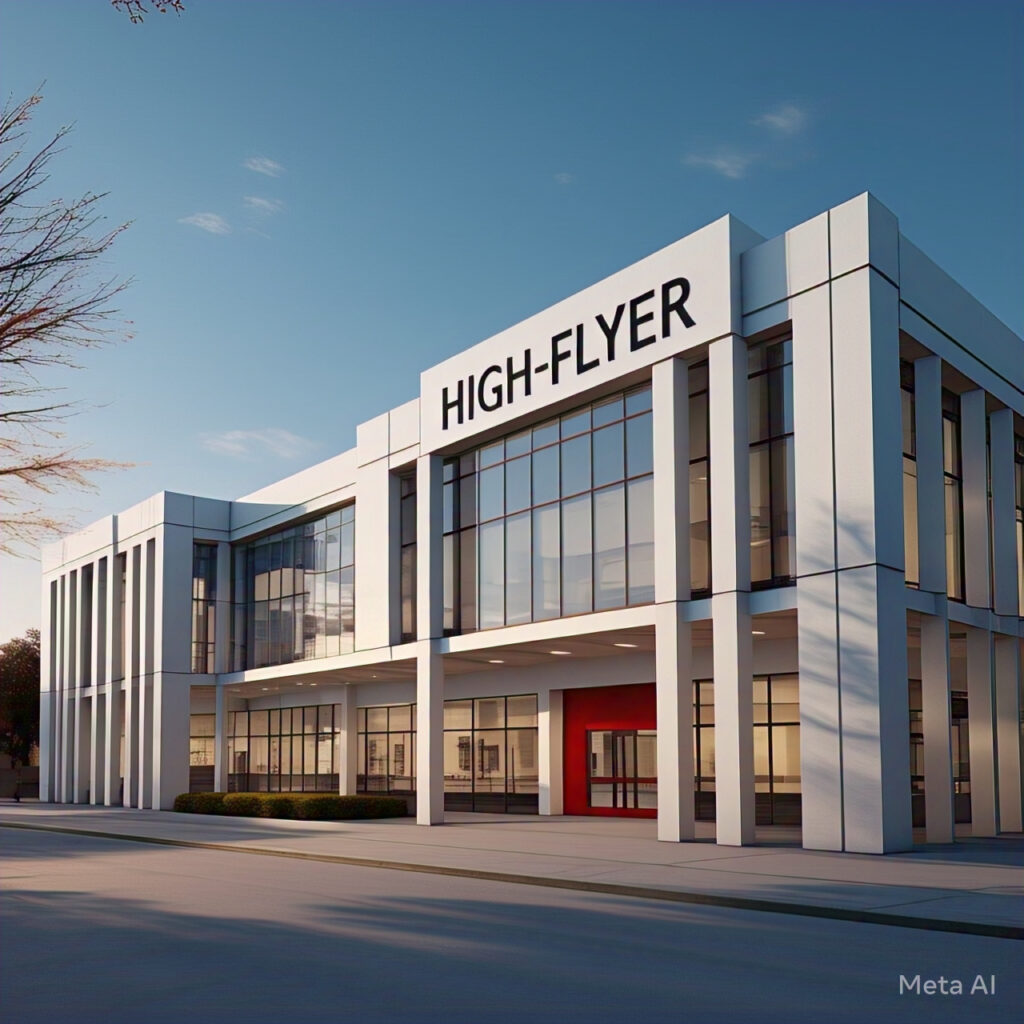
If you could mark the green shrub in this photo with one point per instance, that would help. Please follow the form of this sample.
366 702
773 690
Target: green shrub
303 806
200 803
243 805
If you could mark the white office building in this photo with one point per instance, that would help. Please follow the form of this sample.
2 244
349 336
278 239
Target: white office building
735 534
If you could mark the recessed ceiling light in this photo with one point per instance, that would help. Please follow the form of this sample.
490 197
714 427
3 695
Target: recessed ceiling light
559 652
298 684
496 661
312 684
266 687
625 645
757 632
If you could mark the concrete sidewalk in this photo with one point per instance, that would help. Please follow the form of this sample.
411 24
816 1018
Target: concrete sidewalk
974 886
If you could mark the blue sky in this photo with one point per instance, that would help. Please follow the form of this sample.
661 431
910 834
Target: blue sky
327 198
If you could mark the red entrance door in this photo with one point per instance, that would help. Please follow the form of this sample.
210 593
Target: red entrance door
615 723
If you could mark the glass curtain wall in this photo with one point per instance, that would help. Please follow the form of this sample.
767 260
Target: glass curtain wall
287 750
952 470
295 593
552 521
204 606
772 500
407 555
776 749
386 760
201 748
700 483
490 754
910 543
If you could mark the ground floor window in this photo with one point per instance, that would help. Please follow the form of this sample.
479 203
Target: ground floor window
961 750
490 752
202 731
386 760
288 750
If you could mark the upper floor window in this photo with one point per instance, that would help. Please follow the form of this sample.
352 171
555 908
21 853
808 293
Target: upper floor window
204 606
407 554
295 593
553 520
700 482
772 497
910 542
952 472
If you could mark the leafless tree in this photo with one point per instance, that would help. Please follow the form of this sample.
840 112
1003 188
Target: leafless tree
138 9
51 307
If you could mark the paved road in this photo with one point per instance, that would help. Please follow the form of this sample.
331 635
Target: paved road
112 931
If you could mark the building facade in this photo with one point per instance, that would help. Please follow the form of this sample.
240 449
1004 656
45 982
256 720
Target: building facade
734 534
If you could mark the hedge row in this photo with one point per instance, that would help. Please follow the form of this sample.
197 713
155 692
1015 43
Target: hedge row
304 806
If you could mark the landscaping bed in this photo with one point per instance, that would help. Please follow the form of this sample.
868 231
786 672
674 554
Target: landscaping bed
301 806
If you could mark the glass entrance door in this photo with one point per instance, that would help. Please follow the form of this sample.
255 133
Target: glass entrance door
622 768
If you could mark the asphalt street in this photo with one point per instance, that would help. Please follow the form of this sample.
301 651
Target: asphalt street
105 930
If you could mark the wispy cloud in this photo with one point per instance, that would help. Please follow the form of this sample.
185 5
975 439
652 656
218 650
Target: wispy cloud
264 165
564 178
212 222
259 204
727 163
248 444
788 119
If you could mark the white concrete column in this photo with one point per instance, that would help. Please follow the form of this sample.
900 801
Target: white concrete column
973 430
83 718
730 608
131 676
429 733
70 705
223 610
931 514
821 765
981 732
97 647
817 636
429 550
734 719
550 771
373 547
674 694
221 766
349 749
935 725
1004 516
145 764
60 691
1008 737
874 710
171 704
673 675
114 672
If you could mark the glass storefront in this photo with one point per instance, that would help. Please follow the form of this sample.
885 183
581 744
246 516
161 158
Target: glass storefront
288 750
623 768
961 750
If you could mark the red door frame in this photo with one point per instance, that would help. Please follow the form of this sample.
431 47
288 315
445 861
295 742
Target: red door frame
600 707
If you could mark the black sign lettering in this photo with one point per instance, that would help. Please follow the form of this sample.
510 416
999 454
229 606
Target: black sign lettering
610 332
635 320
557 355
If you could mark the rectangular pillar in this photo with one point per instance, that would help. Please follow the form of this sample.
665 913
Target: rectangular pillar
874 711
129 794
83 747
1008 737
674 695
821 765
981 732
429 734
114 671
171 704
349 750
97 647
973 434
221 726
730 604
145 765
549 752
935 725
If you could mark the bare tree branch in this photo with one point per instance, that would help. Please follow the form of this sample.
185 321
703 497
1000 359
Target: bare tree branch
51 308
137 9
